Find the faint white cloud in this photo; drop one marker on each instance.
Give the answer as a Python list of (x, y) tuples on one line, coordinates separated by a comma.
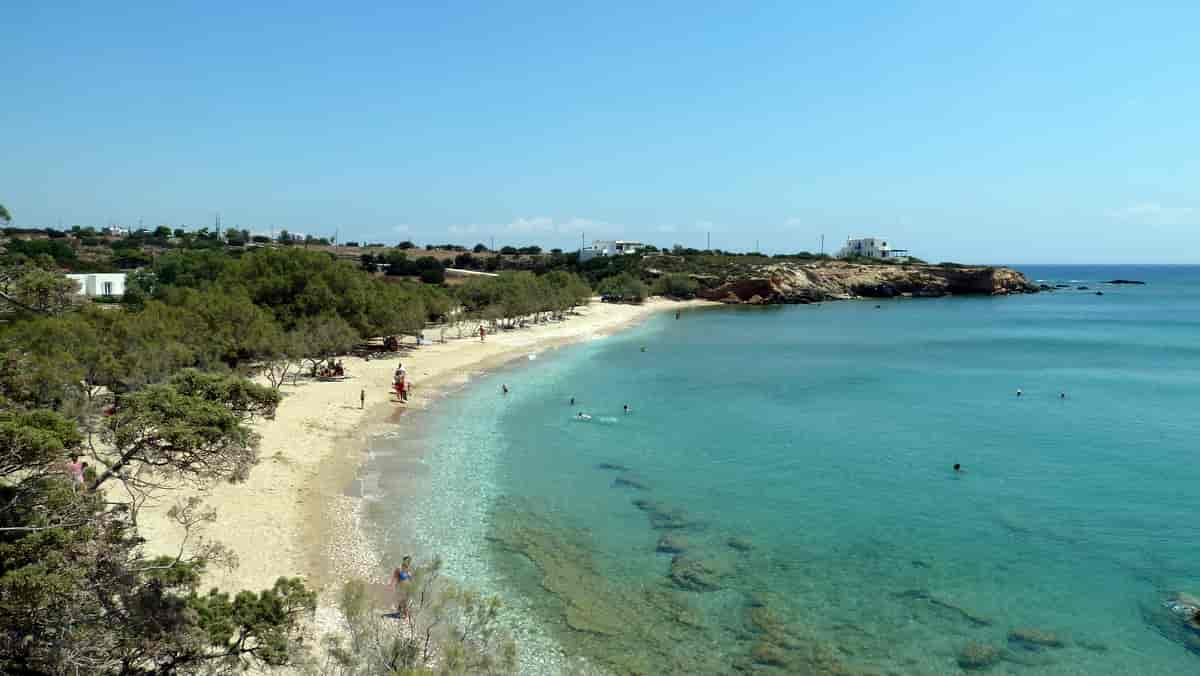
[(533, 225), (1153, 213), (665, 228), (468, 229), (794, 222), (403, 227)]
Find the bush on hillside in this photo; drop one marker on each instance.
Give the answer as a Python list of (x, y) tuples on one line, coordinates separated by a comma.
[(676, 285), (624, 288)]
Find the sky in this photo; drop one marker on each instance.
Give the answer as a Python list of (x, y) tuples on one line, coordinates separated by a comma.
[(1065, 132)]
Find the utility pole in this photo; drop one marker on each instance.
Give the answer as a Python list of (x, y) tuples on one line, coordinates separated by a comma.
[(708, 241), (822, 244)]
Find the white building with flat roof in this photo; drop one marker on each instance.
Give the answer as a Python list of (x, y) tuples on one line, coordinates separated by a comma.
[(609, 247), (870, 247), (100, 284)]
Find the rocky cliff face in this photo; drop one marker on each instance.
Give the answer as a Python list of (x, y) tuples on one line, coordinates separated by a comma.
[(808, 283)]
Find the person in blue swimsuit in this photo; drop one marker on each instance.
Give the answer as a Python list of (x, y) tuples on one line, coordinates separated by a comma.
[(400, 579)]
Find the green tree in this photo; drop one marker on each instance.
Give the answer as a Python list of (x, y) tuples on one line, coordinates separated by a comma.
[(676, 285), (32, 290), (77, 592), (624, 287), (5, 217), (235, 328), (444, 627), (322, 337)]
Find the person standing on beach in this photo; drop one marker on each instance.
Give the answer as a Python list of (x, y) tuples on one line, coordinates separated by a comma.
[(405, 388), (401, 577), (482, 333), (362, 399)]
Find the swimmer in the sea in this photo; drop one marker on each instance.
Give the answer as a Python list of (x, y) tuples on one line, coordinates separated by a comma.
[(572, 401), (958, 468), (626, 409), (583, 416)]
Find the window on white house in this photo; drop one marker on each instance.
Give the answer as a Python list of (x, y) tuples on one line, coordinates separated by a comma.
[(108, 288)]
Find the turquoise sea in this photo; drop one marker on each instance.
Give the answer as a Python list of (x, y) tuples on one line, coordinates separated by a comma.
[(781, 498)]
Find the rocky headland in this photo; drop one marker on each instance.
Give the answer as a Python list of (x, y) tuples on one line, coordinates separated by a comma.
[(789, 282)]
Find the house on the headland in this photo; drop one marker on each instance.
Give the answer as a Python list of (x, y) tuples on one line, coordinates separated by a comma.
[(609, 247), (100, 284), (116, 231), (871, 247)]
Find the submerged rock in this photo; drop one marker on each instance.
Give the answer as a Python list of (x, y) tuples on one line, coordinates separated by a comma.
[(1123, 281), (922, 595), (978, 656), (630, 481), (663, 517), (1034, 639), (695, 574), (740, 544), (769, 654), (612, 466), (672, 544), (1177, 618)]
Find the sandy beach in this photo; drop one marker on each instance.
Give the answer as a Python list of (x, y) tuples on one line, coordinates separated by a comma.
[(293, 515)]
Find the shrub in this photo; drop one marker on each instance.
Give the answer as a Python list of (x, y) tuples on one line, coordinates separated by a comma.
[(623, 287), (676, 285)]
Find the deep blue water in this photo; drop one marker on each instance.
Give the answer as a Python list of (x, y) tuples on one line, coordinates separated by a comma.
[(823, 438)]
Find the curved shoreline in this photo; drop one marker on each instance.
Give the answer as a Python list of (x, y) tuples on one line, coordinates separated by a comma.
[(297, 513)]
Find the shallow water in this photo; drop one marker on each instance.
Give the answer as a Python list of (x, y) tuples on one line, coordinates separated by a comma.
[(820, 439)]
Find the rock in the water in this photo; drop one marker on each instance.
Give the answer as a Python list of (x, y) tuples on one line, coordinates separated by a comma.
[(694, 574), (1099, 293), (978, 656), (630, 481), (740, 544), (663, 517), (1081, 288), (1123, 281), (612, 466), (769, 654), (670, 543), (1034, 639)]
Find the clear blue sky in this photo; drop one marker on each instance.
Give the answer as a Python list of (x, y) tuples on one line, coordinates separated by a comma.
[(1024, 132)]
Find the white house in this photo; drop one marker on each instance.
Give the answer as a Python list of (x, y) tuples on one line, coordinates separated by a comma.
[(870, 247), (608, 247), (116, 231), (106, 284)]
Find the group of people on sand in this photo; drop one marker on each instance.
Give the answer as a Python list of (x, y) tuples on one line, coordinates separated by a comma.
[(329, 369)]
